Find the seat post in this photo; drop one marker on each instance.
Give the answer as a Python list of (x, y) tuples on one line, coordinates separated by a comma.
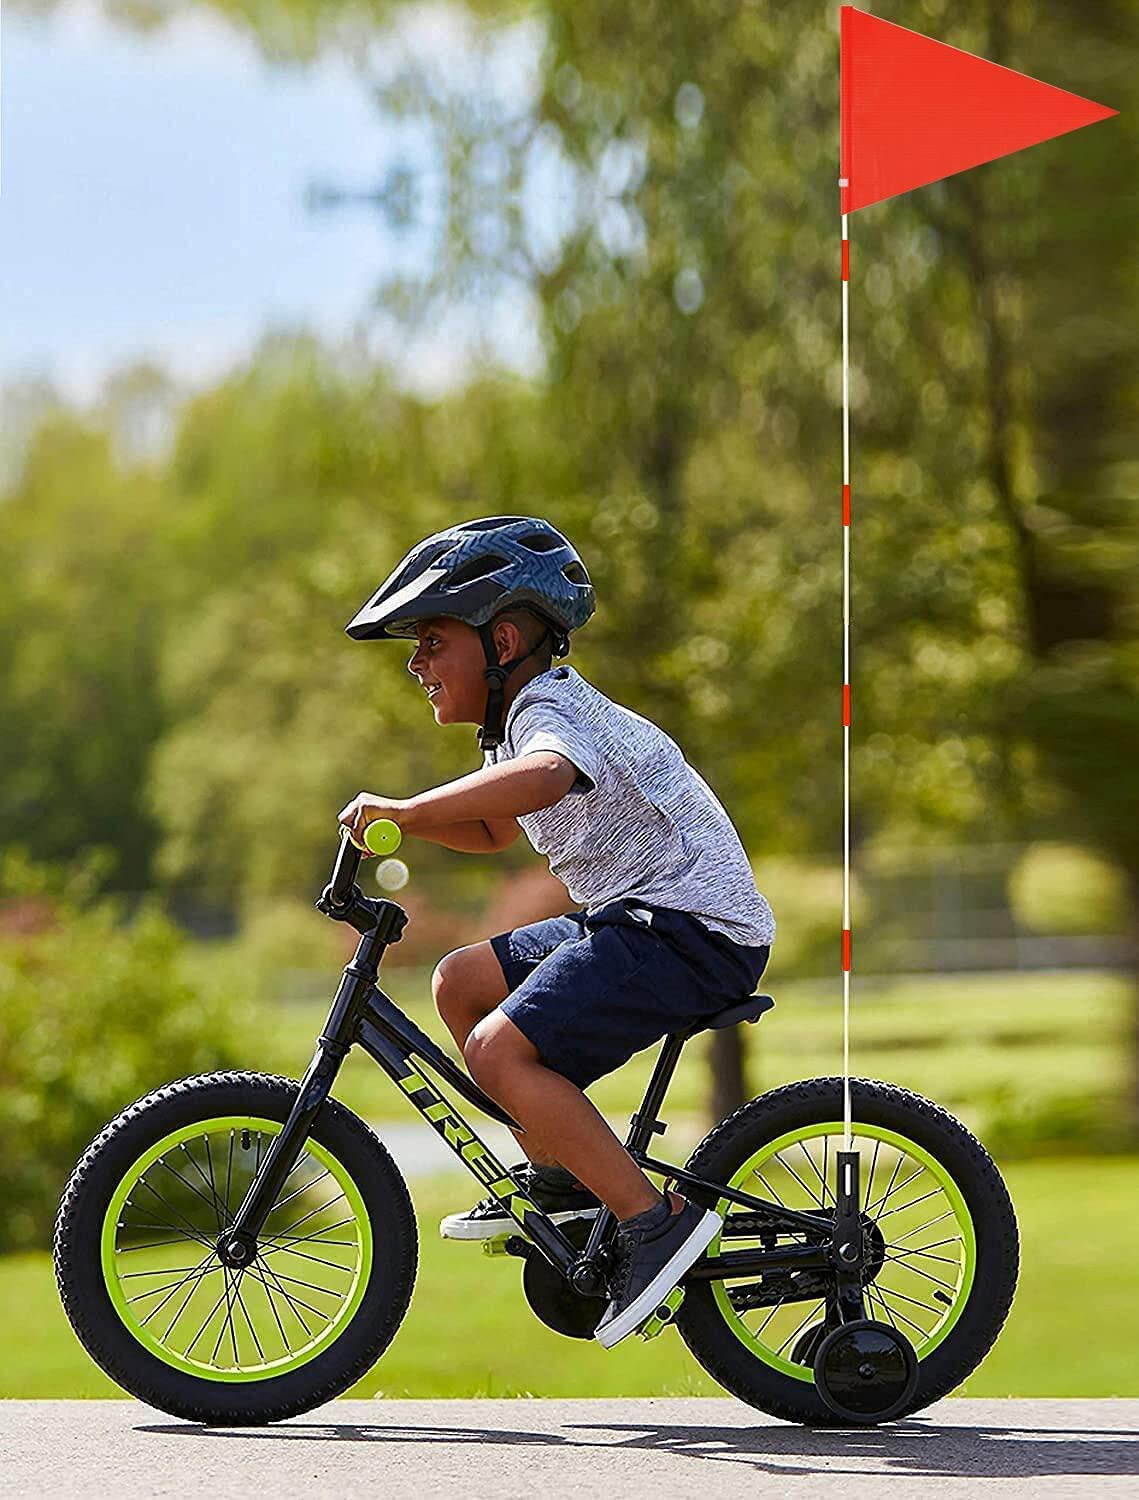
[(644, 1124)]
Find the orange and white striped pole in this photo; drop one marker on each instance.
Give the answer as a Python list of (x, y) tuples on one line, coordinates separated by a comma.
[(844, 185)]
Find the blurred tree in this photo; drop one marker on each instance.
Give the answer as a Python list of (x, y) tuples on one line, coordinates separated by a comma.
[(81, 620), (687, 435)]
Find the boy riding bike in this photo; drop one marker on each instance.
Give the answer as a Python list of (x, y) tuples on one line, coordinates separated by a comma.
[(672, 926)]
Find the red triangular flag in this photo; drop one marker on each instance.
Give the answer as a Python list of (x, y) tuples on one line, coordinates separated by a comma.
[(915, 110)]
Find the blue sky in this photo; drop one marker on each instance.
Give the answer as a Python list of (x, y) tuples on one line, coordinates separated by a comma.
[(152, 201)]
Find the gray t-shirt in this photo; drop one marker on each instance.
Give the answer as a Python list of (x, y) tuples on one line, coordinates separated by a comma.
[(638, 821)]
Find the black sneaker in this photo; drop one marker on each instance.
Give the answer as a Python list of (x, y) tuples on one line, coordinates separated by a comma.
[(654, 1250), (556, 1192)]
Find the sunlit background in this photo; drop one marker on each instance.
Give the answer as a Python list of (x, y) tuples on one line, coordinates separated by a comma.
[(285, 287)]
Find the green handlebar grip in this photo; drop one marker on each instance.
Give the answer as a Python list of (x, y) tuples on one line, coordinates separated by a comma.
[(383, 836)]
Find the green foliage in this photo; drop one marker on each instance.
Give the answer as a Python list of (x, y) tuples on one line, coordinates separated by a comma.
[(1057, 888), (93, 1014), (1070, 1124)]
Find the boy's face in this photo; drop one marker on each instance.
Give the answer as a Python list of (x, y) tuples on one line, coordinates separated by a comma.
[(449, 663)]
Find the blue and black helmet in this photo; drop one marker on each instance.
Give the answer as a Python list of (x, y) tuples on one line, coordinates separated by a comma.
[(474, 571)]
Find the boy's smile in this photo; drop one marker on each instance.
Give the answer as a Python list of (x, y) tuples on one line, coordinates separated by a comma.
[(448, 664)]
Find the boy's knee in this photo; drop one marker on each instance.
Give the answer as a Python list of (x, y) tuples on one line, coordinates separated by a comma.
[(463, 987)]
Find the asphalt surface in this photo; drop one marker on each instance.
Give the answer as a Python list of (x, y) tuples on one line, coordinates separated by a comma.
[(695, 1449)]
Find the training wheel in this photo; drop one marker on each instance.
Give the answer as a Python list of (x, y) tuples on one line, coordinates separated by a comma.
[(865, 1371)]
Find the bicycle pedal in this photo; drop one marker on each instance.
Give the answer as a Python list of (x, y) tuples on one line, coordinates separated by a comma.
[(664, 1315), (505, 1244)]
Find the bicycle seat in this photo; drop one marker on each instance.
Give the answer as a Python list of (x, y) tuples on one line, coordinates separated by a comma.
[(748, 1010)]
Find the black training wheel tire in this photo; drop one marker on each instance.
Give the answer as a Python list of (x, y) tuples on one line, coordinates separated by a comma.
[(114, 1348), (798, 1105)]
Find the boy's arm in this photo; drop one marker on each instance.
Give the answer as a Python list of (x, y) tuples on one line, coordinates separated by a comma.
[(493, 795), (476, 813), (473, 835)]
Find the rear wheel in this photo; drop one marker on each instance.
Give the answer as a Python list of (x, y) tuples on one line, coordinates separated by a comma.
[(141, 1281), (939, 1230)]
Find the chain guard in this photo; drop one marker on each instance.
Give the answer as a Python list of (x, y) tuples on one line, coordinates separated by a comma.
[(550, 1295)]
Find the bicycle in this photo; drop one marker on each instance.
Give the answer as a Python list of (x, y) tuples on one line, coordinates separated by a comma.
[(239, 1248)]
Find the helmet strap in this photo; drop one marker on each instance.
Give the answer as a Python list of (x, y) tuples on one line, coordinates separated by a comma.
[(490, 735)]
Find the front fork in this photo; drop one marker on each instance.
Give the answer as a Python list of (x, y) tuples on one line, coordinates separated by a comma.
[(238, 1243)]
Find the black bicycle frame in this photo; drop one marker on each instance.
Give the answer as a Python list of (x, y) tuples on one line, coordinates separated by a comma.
[(361, 1014)]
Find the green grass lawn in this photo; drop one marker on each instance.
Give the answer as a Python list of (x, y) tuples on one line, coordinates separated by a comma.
[(984, 1046), (1073, 1329)]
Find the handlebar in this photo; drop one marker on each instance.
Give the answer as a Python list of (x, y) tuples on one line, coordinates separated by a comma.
[(382, 836), (344, 871)]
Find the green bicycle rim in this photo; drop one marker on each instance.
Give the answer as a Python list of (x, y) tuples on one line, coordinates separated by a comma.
[(263, 1368), (876, 1135)]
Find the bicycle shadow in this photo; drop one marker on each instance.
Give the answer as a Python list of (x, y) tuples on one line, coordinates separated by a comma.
[(910, 1449)]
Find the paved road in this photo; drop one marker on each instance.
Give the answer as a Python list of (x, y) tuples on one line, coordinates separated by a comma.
[(699, 1449)]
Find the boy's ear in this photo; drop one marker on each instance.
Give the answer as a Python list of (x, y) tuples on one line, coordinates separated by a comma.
[(507, 640)]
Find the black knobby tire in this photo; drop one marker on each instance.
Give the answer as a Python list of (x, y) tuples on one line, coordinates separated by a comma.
[(387, 1288), (799, 1106)]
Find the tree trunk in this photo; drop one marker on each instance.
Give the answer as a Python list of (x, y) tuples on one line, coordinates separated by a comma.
[(729, 1089)]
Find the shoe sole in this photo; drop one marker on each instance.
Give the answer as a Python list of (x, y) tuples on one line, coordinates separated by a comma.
[(662, 1283), (456, 1229)]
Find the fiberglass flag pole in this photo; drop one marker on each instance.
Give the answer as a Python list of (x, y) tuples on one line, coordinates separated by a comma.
[(912, 111)]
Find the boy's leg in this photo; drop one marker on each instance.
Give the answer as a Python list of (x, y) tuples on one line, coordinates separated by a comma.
[(553, 1110), (467, 985)]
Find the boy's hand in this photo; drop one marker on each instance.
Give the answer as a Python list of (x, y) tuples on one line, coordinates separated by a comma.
[(365, 808)]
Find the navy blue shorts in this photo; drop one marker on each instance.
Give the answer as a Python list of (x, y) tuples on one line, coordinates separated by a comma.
[(589, 991)]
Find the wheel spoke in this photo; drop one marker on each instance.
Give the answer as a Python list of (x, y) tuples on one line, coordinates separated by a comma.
[(248, 1319), (196, 1277), (818, 1174), (796, 1331), (917, 1270), (151, 1245), (228, 1174), (190, 1290), (289, 1298), (162, 1162), (788, 1168), (317, 1259), (913, 1203), (913, 1301), (223, 1210), (298, 1222), (256, 1273), (302, 1189), (205, 1325), (870, 1207), (227, 1321), (194, 1233), (886, 1292), (212, 1200), (954, 1239), (874, 1294), (179, 1281), (873, 1169), (929, 1223), (325, 1291), (264, 1285), (161, 1271), (881, 1202)]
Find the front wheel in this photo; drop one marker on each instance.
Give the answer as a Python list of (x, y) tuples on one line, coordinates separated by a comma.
[(142, 1284), (939, 1229)]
